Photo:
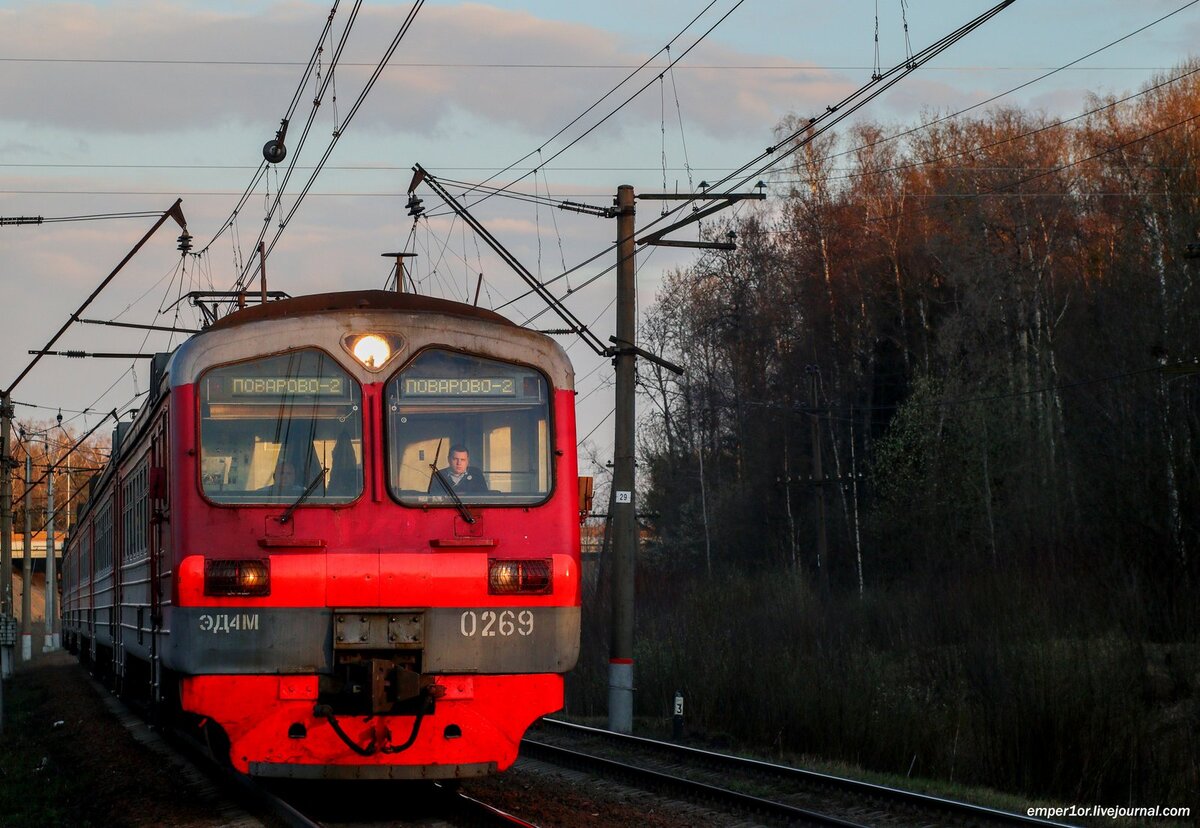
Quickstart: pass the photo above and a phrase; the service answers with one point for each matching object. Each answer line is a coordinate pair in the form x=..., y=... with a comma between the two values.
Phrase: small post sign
x=8, y=631
x=8, y=638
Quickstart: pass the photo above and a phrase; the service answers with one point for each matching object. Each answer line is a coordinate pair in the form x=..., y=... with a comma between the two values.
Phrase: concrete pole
x=818, y=477
x=6, y=413
x=620, y=664
x=27, y=569
x=51, y=576
x=6, y=604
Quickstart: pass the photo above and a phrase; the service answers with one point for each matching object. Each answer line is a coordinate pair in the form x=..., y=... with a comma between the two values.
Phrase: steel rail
x=262, y=798
x=466, y=810
x=187, y=745
x=479, y=812
x=789, y=772
x=701, y=790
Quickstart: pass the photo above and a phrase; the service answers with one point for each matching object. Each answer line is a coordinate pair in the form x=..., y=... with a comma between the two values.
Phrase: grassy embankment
x=1016, y=689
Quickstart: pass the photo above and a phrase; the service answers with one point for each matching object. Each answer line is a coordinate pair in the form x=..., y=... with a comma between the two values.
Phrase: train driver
x=286, y=480
x=460, y=474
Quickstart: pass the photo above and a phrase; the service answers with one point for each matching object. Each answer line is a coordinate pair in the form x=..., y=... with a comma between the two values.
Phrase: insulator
x=185, y=242
x=414, y=206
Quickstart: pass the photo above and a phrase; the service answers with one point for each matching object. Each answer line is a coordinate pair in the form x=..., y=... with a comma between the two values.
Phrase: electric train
x=341, y=538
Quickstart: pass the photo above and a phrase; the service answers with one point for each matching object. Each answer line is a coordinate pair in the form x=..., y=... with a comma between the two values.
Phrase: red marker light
x=237, y=577
x=506, y=577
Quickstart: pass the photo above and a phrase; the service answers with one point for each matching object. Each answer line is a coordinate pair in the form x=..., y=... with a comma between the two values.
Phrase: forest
x=925, y=498
x=75, y=458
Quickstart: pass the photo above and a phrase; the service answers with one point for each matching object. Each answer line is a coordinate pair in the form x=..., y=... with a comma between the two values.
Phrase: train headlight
x=237, y=577
x=372, y=350
x=507, y=577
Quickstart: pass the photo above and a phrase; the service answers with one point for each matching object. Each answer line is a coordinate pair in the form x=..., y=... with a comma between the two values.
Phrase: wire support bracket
x=721, y=200
x=420, y=174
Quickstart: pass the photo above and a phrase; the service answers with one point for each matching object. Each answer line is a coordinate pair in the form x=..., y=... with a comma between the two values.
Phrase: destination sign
x=235, y=387
x=313, y=386
x=459, y=387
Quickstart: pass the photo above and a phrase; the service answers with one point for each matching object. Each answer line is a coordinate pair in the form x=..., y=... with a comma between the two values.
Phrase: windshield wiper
x=286, y=516
x=462, y=507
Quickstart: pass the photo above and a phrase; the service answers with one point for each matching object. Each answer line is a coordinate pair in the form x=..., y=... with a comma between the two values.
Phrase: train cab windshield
x=272, y=428
x=472, y=426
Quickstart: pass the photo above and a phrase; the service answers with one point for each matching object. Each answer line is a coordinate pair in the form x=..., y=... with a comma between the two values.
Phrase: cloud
x=915, y=94
x=455, y=59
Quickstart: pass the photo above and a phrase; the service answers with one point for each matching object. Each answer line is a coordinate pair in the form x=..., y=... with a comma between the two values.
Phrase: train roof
x=324, y=320
x=362, y=300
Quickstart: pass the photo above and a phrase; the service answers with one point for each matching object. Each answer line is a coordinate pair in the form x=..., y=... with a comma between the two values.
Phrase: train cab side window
x=483, y=425
x=271, y=427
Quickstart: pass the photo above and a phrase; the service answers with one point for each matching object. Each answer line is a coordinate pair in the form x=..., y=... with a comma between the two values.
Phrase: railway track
x=315, y=805
x=354, y=804
x=372, y=804
x=779, y=793
x=327, y=804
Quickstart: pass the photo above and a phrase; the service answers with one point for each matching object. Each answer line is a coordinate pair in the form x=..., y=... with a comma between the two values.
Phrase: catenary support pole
x=51, y=588
x=620, y=665
x=6, y=605
x=6, y=460
x=818, y=477
x=27, y=569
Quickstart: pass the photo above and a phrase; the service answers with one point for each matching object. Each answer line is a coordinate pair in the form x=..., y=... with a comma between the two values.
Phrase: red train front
x=361, y=538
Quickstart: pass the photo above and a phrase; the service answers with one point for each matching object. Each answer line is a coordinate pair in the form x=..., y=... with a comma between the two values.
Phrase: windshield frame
x=501, y=502
x=283, y=502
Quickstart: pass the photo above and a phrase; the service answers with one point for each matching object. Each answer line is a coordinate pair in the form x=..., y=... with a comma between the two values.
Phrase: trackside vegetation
x=989, y=328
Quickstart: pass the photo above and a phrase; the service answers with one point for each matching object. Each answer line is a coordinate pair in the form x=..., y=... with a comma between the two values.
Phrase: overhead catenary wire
x=835, y=113
x=113, y=413
x=318, y=99
x=338, y=133
x=610, y=92
x=1030, y=133
x=173, y=212
x=288, y=113
x=757, y=67
x=139, y=214
x=729, y=176
x=495, y=191
x=850, y=174
x=847, y=106
x=1001, y=188
x=539, y=286
x=585, y=437
x=993, y=98
x=564, y=267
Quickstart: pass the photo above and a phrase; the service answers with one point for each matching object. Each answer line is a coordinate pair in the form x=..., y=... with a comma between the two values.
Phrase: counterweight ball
x=274, y=151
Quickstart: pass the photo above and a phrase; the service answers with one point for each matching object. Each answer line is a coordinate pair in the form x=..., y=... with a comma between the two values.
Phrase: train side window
x=272, y=426
x=496, y=413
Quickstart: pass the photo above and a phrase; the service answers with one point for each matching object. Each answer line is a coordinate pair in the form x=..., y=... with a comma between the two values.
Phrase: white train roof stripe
x=419, y=330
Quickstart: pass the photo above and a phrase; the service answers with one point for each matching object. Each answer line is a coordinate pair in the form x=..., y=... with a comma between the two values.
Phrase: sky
x=125, y=106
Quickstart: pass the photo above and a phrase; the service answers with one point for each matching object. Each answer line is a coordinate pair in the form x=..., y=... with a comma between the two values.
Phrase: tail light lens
x=520, y=577
x=237, y=577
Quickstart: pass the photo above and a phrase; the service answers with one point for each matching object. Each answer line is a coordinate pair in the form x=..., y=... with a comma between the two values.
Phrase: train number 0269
x=490, y=623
